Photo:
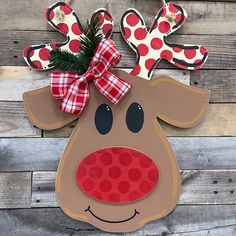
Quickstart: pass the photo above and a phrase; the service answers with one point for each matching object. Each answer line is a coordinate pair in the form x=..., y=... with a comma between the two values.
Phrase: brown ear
x=43, y=110
x=177, y=104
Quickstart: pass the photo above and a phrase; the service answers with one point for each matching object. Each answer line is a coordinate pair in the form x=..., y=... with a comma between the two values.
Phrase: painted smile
x=109, y=221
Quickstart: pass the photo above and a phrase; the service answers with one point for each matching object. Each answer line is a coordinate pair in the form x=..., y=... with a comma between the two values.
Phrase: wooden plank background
x=206, y=154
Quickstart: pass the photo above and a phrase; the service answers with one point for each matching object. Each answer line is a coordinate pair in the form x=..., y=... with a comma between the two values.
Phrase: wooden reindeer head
x=118, y=171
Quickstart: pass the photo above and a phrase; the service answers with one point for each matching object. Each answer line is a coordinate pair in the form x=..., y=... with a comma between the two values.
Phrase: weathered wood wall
x=206, y=154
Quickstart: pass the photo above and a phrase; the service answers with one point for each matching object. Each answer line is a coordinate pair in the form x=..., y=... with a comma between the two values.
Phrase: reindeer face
x=118, y=171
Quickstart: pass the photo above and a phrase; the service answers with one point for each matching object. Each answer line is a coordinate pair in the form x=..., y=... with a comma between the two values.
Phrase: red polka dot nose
x=117, y=175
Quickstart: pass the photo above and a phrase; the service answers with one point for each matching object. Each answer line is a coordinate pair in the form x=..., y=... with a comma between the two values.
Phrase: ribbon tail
x=113, y=88
x=76, y=98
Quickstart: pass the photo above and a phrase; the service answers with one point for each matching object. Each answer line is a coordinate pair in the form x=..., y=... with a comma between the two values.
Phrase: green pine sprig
x=79, y=62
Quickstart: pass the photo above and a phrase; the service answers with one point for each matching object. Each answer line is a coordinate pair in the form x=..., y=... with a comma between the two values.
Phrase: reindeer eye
x=103, y=119
x=135, y=117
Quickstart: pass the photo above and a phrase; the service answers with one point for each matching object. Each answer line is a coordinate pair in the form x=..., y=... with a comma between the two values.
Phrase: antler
x=64, y=19
x=152, y=46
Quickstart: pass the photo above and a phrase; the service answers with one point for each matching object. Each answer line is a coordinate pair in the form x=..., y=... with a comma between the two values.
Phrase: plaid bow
x=72, y=88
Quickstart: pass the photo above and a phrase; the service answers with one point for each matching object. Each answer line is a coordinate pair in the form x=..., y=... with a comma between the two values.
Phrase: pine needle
x=79, y=63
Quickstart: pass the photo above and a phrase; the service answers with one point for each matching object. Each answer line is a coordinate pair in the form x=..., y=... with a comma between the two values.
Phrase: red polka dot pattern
x=164, y=12
x=164, y=27
x=75, y=45
x=44, y=54
x=173, y=8
x=190, y=54
x=101, y=18
x=156, y=43
x=37, y=64
x=150, y=63
x=66, y=9
x=167, y=54
x=76, y=29
x=54, y=46
x=203, y=50
x=51, y=15
x=127, y=33
x=69, y=26
x=178, y=18
x=106, y=28
x=176, y=49
x=143, y=49
x=151, y=45
x=63, y=28
x=25, y=52
x=107, y=17
x=140, y=34
x=136, y=70
x=132, y=19
x=117, y=175
x=198, y=66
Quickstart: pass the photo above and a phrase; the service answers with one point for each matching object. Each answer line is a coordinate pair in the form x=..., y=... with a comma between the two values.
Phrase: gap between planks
x=219, y=121
x=221, y=48
x=191, y=153
x=15, y=80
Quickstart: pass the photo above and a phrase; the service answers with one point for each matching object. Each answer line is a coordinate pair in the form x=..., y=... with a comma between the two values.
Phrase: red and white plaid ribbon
x=72, y=88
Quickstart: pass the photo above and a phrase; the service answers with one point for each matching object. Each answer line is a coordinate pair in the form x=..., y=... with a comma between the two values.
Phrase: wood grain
x=15, y=80
x=51, y=221
x=204, y=17
x=14, y=121
x=27, y=154
x=220, y=121
x=221, y=83
x=15, y=190
x=221, y=47
x=198, y=187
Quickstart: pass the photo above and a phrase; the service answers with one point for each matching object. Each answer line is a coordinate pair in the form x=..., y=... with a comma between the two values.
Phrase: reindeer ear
x=44, y=111
x=178, y=104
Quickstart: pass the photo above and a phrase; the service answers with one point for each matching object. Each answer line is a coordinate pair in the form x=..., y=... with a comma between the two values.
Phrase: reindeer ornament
x=118, y=171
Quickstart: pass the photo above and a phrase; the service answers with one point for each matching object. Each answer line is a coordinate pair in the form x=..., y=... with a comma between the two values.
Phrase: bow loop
x=72, y=88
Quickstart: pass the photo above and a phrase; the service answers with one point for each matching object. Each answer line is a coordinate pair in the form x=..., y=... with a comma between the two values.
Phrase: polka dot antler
x=151, y=45
x=64, y=19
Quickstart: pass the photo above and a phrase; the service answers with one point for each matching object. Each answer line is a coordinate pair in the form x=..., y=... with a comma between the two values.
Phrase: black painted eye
x=135, y=118
x=103, y=119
